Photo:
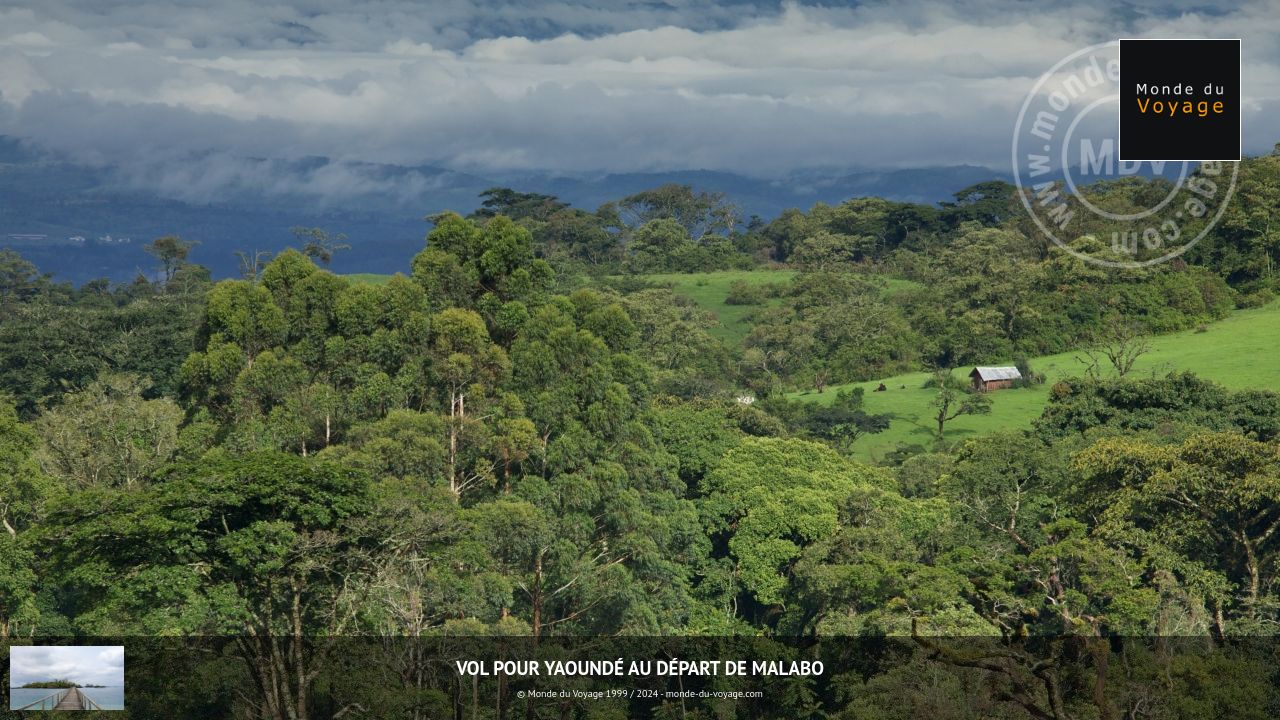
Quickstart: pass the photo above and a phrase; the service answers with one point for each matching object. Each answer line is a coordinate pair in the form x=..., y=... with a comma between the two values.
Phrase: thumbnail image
x=58, y=677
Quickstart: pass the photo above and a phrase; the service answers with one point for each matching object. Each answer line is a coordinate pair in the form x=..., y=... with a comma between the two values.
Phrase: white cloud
x=92, y=664
x=754, y=88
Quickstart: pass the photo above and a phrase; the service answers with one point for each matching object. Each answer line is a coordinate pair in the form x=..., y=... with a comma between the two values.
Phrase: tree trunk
x=457, y=412
x=1219, y=633
x=1251, y=567
x=536, y=599
x=502, y=696
x=1100, y=648
x=457, y=698
x=298, y=655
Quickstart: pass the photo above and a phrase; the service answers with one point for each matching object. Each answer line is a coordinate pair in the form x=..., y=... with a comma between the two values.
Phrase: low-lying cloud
x=754, y=88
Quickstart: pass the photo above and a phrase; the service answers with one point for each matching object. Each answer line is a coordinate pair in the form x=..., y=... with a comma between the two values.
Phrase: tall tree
x=19, y=279
x=171, y=251
x=318, y=244
x=698, y=212
x=769, y=498
x=517, y=205
x=268, y=548
x=108, y=435
x=1212, y=501
x=467, y=364
x=23, y=488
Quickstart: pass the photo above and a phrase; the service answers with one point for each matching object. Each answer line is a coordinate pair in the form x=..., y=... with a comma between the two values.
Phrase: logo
x=1180, y=99
x=1086, y=200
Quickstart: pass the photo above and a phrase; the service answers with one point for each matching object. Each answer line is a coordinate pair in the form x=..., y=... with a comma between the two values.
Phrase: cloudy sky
x=88, y=665
x=760, y=88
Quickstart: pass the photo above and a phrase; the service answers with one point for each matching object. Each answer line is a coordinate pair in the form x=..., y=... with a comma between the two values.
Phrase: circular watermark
x=1066, y=138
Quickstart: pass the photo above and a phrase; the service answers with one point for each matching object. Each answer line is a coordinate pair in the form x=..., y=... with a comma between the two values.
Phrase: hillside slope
x=1238, y=352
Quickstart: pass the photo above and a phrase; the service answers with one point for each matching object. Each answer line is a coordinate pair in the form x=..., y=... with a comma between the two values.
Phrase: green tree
x=23, y=487
x=1210, y=502
x=18, y=587
x=879, y=573
x=19, y=279
x=52, y=344
x=267, y=547
x=23, y=492
x=951, y=401
x=1122, y=342
x=655, y=245
x=171, y=251
x=406, y=444
x=517, y=205
x=844, y=421
x=987, y=202
x=246, y=314
x=697, y=212
x=825, y=251
x=1245, y=244
x=466, y=363
x=318, y=244
x=108, y=435
x=673, y=335
x=1038, y=576
x=579, y=235
x=467, y=266
x=1174, y=401
x=769, y=498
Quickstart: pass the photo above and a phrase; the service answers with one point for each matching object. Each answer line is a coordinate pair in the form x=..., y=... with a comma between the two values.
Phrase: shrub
x=1255, y=299
x=743, y=293
x=1030, y=378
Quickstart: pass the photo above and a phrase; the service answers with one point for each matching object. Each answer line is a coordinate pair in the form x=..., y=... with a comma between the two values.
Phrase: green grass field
x=1238, y=352
x=709, y=290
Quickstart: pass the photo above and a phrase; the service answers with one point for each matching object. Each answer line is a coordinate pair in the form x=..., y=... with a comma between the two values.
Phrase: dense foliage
x=492, y=445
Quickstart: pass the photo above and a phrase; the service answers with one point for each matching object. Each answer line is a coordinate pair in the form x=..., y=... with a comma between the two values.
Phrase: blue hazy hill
x=250, y=204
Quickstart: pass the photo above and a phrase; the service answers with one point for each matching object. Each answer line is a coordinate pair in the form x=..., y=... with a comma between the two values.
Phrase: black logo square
x=1179, y=99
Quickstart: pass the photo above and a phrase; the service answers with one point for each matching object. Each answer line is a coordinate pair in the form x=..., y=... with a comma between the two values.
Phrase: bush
x=953, y=381
x=1255, y=299
x=743, y=293
x=1030, y=378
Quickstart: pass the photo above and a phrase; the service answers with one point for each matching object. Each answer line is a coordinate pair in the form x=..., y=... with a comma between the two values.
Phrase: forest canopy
x=527, y=435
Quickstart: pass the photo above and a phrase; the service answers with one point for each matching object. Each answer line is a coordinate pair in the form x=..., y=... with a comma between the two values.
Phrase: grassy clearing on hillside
x=1238, y=352
x=709, y=290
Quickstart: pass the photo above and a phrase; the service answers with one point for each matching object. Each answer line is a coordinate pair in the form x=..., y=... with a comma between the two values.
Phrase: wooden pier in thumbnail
x=69, y=699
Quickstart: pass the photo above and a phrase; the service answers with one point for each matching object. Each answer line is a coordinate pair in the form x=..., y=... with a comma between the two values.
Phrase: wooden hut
x=986, y=379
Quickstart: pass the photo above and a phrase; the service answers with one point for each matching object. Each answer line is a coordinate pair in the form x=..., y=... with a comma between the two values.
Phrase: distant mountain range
x=82, y=221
